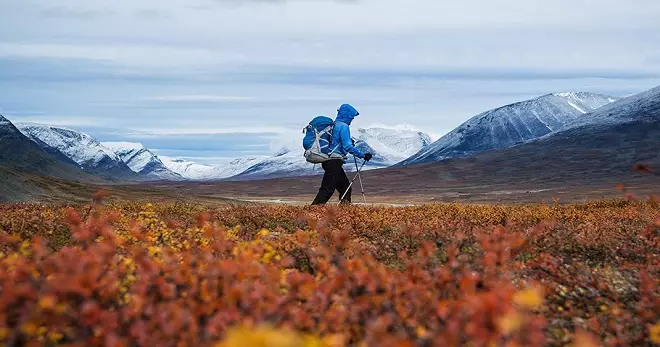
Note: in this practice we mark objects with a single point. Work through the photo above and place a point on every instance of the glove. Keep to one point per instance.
(368, 156)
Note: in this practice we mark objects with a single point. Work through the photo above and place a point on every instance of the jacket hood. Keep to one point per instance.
(346, 113)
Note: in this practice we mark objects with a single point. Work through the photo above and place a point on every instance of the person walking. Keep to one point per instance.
(334, 177)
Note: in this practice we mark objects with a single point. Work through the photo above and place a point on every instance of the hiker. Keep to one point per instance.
(342, 144)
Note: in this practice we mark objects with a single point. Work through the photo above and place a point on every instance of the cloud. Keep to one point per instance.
(141, 56)
(199, 98)
(152, 13)
(206, 98)
(252, 2)
(183, 131)
(242, 73)
(63, 12)
(55, 120)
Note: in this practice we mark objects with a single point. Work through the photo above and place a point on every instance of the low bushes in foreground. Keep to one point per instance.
(448, 275)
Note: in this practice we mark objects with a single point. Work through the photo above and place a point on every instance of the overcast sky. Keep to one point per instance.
(206, 79)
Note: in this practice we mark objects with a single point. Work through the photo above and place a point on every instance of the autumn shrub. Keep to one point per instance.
(127, 274)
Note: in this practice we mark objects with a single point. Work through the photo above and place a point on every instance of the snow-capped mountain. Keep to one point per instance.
(12, 138)
(290, 163)
(644, 106)
(20, 157)
(5, 123)
(388, 146)
(142, 161)
(512, 124)
(88, 153)
(202, 172)
(392, 146)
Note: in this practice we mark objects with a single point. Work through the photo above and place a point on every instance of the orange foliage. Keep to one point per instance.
(185, 274)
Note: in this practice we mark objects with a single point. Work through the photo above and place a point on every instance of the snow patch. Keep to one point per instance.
(577, 107)
(78, 146)
(123, 145)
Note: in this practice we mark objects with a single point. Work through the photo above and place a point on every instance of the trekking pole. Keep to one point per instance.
(350, 185)
(364, 198)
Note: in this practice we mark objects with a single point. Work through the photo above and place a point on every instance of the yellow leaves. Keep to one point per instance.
(128, 262)
(509, 323)
(4, 333)
(269, 337)
(54, 336)
(153, 251)
(529, 298)
(24, 250)
(654, 333)
(179, 272)
(584, 339)
(335, 340)
(29, 329)
(421, 331)
(60, 308)
(47, 303)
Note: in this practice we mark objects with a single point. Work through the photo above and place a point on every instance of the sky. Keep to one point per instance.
(212, 79)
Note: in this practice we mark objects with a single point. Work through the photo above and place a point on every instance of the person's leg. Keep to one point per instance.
(342, 184)
(327, 186)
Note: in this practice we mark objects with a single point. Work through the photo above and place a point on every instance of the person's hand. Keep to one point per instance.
(368, 156)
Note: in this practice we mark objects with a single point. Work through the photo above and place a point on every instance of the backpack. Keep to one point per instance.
(318, 135)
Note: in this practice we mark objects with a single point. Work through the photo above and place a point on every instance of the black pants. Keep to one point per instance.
(333, 178)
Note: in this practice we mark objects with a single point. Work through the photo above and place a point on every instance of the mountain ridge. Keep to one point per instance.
(21, 159)
(511, 124)
(79, 147)
(142, 161)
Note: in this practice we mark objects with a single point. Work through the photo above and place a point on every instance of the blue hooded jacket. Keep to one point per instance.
(341, 134)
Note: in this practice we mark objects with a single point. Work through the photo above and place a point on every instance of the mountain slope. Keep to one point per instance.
(508, 125)
(19, 152)
(80, 148)
(598, 151)
(21, 160)
(142, 161)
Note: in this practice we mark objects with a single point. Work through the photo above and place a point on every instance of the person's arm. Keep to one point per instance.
(347, 142)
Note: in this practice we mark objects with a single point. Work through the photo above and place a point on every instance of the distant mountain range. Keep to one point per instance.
(19, 152)
(201, 172)
(585, 159)
(132, 161)
(509, 125)
(88, 153)
(20, 155)
(142, 161)
(559, 123)
(388, 146)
